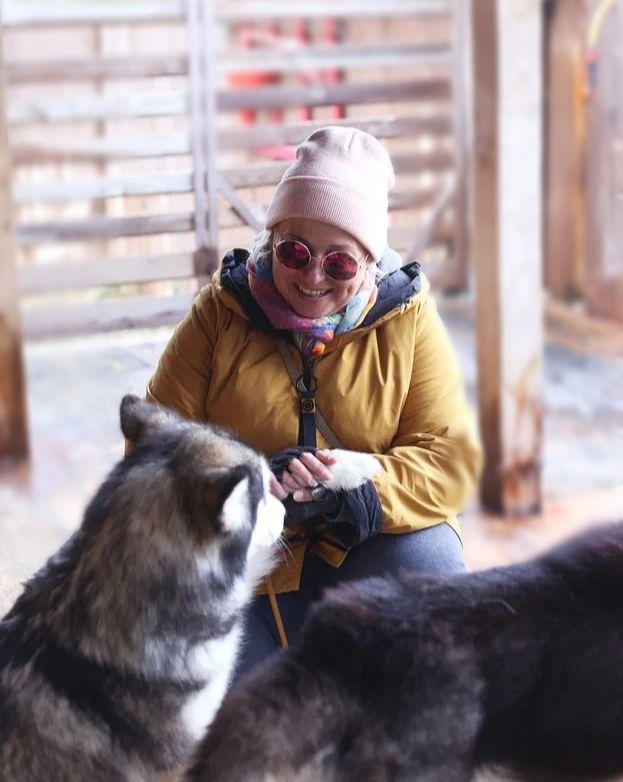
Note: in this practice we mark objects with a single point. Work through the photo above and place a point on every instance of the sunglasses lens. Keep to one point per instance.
(292, 254)
(340, 266)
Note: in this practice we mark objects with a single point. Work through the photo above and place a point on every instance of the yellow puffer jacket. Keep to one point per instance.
(391, 388)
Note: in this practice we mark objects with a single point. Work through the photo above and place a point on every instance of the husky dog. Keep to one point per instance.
(118, 652)
(427, 678)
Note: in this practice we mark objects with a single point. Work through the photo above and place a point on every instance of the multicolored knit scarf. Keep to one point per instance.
(310, 334)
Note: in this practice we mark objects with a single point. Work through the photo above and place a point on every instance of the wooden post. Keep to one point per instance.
(461, 100)
(507, 248)
(565, 224)
(603, 282)
(13, 428)
(200, 19)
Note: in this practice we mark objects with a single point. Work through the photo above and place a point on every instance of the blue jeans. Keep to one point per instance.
(433, 550)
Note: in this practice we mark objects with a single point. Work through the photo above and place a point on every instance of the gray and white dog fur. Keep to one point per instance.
(117, 654)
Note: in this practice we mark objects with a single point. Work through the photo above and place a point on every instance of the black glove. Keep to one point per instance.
(354, 515)
(327, 501)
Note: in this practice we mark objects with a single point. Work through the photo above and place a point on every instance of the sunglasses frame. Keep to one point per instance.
(311, 257)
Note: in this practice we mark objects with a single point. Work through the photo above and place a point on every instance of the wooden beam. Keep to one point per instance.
(172, 103)
(33, 14)
(461, 51)
(182, 181)
(305, 59)
(86, 69)
(507, 249)
(565, 218)
(229, 138)
(13, 425)
(242, 10)
(18, 14)
(53, 231)
(50, 232)
(106, 315)
(53, 277)
(603, 275)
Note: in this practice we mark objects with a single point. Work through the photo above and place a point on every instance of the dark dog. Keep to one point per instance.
(428, 678)
(117, 654)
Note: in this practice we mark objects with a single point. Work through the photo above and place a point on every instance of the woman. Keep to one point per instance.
(318, 337)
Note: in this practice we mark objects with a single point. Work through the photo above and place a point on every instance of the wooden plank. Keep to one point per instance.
(197, 180)
(341, 56)
(103, 187)
(53, 231)
(461, 88)
(105, 315)
(53, 277)
(426, 233)
(250, 214)
(88, 108)
(433, 88)
(36, 279)
(50, 232)
(208, 259)
(89, 150)
(86, 69)
(243, 10)
(393, 126)
(18, 14)
(603, 284)
(13, 424)
(507, 249)
(565, 218)
(229, 139)
(182, 181)
(309, 58)
(484, 20)
(33, 14)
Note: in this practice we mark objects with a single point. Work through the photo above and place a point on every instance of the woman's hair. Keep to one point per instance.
(262, 250)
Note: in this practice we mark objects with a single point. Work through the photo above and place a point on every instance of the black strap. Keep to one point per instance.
(311, 414)
(306, 385)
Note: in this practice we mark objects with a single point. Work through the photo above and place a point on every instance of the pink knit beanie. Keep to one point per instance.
(341, 176)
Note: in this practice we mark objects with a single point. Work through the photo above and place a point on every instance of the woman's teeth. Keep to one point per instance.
(311, 292)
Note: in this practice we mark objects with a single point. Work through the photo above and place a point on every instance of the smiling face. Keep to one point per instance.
(309, 291)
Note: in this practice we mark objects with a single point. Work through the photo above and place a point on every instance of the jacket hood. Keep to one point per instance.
(396, 289)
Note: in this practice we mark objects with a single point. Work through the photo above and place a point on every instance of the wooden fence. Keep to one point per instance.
(584, 219)
(147, 137)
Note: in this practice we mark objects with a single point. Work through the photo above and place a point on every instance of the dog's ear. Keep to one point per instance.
(136, 414)
(227, 497)
(218, 501)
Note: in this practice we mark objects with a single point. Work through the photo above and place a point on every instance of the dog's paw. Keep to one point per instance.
(352, 469)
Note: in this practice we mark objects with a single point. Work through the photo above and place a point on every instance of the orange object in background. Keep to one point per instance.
(250, 38)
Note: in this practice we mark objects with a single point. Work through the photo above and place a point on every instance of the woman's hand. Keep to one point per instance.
(306, 473)
(276, 489)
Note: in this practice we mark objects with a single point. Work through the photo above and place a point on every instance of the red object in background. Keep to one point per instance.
(335, 75)
(301, 33)
(250, 38)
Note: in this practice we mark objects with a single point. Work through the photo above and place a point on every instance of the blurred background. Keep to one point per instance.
(141, 140)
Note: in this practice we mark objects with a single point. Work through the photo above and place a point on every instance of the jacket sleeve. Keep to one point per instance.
(182, 377)
(430, 470)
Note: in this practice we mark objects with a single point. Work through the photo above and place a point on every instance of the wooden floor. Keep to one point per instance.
(74, 388)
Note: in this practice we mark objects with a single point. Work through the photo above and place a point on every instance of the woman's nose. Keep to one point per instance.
(313, 271)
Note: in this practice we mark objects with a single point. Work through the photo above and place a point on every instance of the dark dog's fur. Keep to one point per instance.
(428, 678)
(119, 650)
